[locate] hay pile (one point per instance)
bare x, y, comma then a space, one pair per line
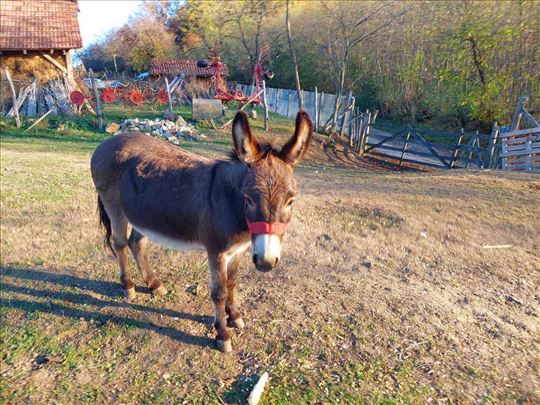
32, 66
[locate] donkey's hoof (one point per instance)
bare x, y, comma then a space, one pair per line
224, 345
238, 323
130, 293
159, 290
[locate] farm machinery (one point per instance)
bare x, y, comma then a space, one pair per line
225, 95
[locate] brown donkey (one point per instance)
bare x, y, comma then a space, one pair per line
184, 201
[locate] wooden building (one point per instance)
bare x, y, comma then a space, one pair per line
36, 38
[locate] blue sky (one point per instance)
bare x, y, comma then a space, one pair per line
96, 17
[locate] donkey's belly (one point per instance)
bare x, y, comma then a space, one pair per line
168, 242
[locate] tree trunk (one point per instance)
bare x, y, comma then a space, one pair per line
341, 86
293, 56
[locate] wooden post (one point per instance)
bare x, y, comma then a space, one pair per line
346, 113
316, 118
265, 106
32, 104
13, 99
504, 151
98, 100
516, 119
528, 150
351, 114
493, 158
456, 150
288, 102
38, 121
404, 149
321, 107
167, 87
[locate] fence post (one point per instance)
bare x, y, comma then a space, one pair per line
404, 149
491, 146
351, 115
456, 149
13, 99
516, 119
346, 113
168, 89
504, 151
98, 100
364, 128
321, 108
265, 106
288, 102
316, 118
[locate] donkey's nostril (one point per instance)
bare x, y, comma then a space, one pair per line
276, 262
255, 259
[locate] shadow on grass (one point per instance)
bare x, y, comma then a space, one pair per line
102, 287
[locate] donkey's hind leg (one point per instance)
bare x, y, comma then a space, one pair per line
119, 225
137, 244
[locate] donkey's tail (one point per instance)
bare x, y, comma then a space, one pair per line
105, 223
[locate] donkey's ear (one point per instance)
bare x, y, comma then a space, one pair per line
246, 147
293, 151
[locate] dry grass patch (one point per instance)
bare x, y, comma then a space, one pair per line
385, 294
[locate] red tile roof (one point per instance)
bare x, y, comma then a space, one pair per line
188, 67
43, 24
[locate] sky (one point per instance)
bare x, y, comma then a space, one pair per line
96, 17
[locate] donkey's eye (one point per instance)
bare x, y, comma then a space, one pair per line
249, 201
289, 203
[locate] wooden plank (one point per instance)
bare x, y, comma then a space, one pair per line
433, 151
455, 153
98, 100
316, 120
530, 118
13, 99
535, 130
404, 149
37, 121
168, 90
54, 62
265, 106
522, 139
527, 150
518, 113
32, 102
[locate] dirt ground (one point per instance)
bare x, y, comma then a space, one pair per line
388, 293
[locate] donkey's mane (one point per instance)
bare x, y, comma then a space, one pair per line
267, 149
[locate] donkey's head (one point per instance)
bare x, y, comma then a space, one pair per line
269, 187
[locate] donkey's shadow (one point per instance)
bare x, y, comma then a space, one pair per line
82, 299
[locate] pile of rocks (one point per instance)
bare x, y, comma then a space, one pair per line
172, 131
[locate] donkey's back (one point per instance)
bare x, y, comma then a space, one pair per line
137, 152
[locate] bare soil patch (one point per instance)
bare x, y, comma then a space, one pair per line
385, 295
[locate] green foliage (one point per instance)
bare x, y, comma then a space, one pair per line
454, 62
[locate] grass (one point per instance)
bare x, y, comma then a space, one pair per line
385, 294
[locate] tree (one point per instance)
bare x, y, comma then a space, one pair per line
293, 57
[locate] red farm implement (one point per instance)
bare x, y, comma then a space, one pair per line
226, 95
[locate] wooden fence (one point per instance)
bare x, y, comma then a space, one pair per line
412, 147
520, 150
319, 106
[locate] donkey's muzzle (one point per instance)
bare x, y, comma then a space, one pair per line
266, 251
265, 264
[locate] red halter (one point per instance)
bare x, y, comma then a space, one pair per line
266, 228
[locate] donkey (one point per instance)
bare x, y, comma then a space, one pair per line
183, 201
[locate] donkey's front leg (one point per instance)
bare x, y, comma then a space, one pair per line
218, 292
235, 317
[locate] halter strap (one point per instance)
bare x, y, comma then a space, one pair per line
266, 228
